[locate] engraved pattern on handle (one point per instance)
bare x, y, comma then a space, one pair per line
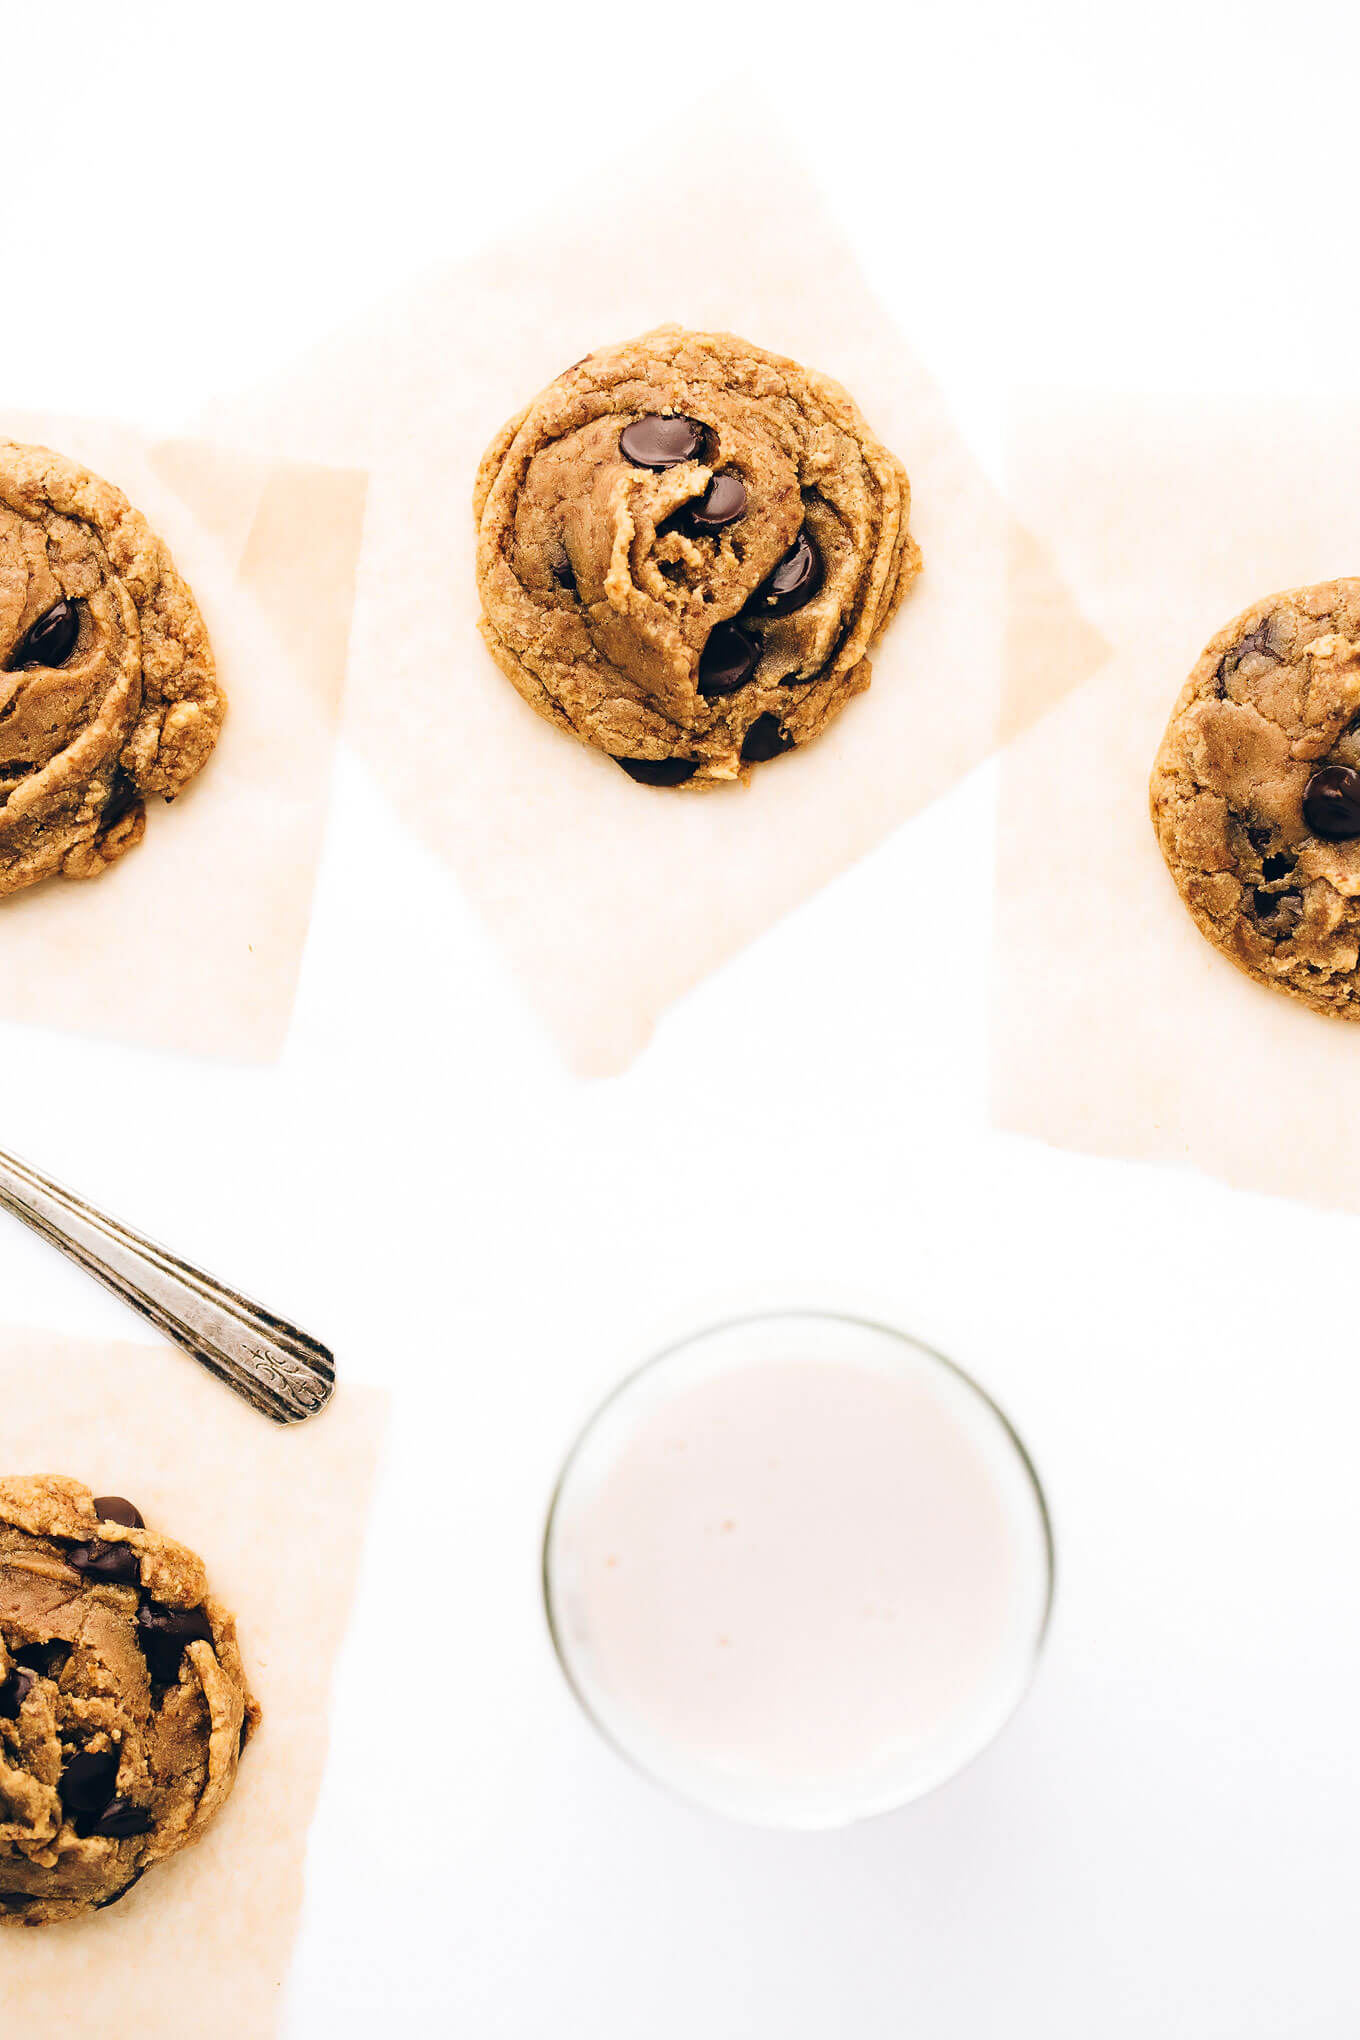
273, 1366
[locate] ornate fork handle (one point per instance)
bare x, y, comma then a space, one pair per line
276, 1368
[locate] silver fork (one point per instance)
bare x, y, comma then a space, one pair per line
279, 1370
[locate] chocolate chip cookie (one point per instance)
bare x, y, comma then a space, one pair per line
1256, 794
123, 1705
107, 688
686, 548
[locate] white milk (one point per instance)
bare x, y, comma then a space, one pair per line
799, 1570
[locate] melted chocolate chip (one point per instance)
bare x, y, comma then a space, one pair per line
657, 442
659, 771
120, 1819
728, 660
1257, 640
14, 1691
100, 1904
1331, 803
794, 581
115, 1509
1279, 913
48, 1660
723, 502
163, 1632
123, 798
767, 738
117, 1563
51, 640
87, 1782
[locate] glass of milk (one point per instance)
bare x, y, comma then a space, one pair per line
798, 1568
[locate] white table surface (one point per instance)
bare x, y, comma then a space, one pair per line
1164, 1841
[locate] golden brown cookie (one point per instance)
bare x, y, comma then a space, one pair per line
123, 1704
686, 548
1256, 794
107, 687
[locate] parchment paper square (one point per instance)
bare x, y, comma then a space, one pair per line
1118, 1029
610, 900
202, 1944
193, 942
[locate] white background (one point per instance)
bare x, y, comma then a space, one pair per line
1165, 1839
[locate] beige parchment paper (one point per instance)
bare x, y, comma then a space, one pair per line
1118, 1029
611, 900
202, 1945
193, 942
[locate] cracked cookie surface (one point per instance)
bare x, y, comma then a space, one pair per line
1256, 794
123, 1703
686, 548
107, 687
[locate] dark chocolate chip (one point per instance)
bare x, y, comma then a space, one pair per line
48, 1660
659, 771
117, 1563
723, 502
87, 1782
51, 641
122, 1892
14, 1691
794, 581
1331, 803
163, 1632
1278, 912
657, 442
120, 1819
767, 738
728, 660
123, 798
1277, 866
117, 1509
